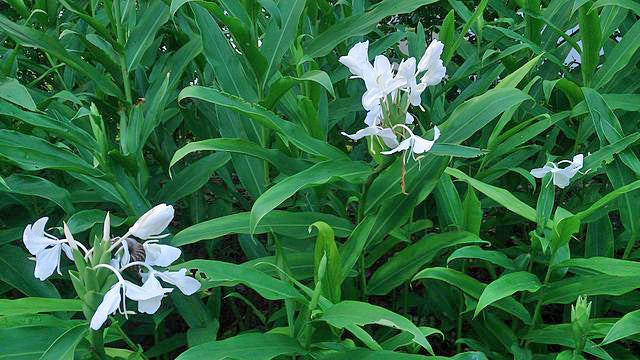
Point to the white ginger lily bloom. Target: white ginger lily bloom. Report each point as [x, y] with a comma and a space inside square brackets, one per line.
[387, 135]
[561, 176]
[153, 222]
[432, 64]
[186, 284]
[45, 247]
[160, 255]
[381, 83]
[414, 142]
[121, 290]
[407, 71]
[357, 60]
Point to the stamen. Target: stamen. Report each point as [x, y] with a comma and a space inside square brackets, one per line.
[121, 239]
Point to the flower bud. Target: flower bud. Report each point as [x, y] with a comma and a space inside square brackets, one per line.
[153, 222]
[580, 323]
[106, 228]
[67, 234]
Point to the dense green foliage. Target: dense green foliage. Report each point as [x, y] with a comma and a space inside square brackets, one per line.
[309, 245]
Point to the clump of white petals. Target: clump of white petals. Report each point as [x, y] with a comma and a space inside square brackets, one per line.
[392, 89]
[47, 249]
[561, 176]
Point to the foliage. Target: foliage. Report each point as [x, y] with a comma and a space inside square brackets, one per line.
[309, 245]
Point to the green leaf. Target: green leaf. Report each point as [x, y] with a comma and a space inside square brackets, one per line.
[36, 186]
[591, 42]
[277, 158]
[471, 212]
[322, 173]
[251, 346]
[86, 219]
[609, 266]
[14, 92]
[32, 153]
[17, 270]
[347, 313]
[225, 274]
[64, 347]
[279, 36]
[505, 286]
[627, 4]
[619, 58]
[362, 354]
[192, 178]
[290, 131]
[34, 305]
[283, 84]
[144, 33]
[474, 288]
[567, 290]
[501, 196]
[288, 223]
[27, 342]
[476, 252]
[32, 38]
[512, 80]
[360, 24]
[405, 263]
[628, 325]
[326, 247]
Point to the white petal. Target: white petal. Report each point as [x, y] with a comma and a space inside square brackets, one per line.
[368, 131]
[126, 257]
[434, 75]
[578, 160]
[431, 55]
[371, 98]
[388, 137]
[150, 306]
[407, 69]
[560, 179]
[374, 116]
[186, 284]
[421, 145]
[160, 255]
[408, 119]
[404, 145]
[153, 222]
[357, 60]
[541, 172]
[67, 250]
[47, 261]
[150, 289]
[33, 236]
[108, 305]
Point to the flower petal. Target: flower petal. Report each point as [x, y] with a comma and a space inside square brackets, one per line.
[150, 306]
[47, 261]
[404, 145]
[541, 172]
[160, 255]
[388, 137]
[368, 131]
[33, 236]
[186, 284]
[560, 179]
[108, 305]
[431, 56]
[153, 222]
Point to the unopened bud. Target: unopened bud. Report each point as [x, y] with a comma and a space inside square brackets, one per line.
[67, 234]
[153, 222]
[106, 229]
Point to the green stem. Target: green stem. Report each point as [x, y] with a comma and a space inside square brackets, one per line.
[126, 338]
[97, 344]
[536, 312]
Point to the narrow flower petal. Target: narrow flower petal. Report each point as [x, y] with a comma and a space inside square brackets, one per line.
[368, 131]
[357, 60]
[186, 284]
[33, 236]
[541, 172]
[404, 145]
[160, 255]
[108, 306]
[47, 261]
[388, 137]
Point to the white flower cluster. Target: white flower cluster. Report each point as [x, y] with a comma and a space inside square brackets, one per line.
[389, 94]
[47, 249]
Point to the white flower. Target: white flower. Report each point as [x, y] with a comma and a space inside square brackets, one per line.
[417, 144]
[357, 60]
[561, 176]
[387, 135]
[407, 71]
[160, 255]
[432, 64]
[153, 222]
[148, 296]
[186, 284]
[380, 83]
[45, 247]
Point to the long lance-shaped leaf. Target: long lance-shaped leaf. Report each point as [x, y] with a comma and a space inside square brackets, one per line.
[294, 133]
[322, 173]
[29, 37]
[251, 346]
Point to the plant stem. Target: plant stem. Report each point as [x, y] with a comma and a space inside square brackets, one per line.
[97, 343]
[536, 312]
